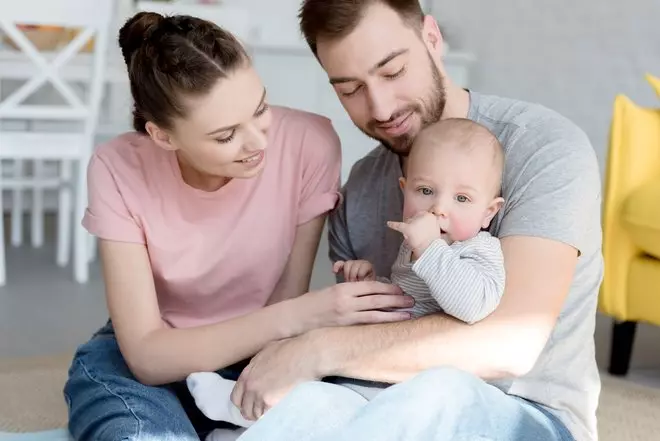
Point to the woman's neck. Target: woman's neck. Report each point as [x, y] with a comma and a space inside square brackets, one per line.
[200, 180]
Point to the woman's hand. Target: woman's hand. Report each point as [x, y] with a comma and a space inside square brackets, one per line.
[351, 303]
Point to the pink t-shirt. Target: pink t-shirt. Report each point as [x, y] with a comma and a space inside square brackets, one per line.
[215, 255]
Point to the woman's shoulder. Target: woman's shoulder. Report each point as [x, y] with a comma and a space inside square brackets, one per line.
[291, 118]
[124, 147]
[304, 132]
[292, 122]
[311, 155]
[127, 153]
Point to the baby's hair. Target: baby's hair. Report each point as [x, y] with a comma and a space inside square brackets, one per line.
[461, 133]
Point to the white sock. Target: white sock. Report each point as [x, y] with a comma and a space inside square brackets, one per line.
[224, 435]
[212, 396]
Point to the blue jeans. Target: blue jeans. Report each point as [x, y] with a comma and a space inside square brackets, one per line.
[437, 405]
[107, 403]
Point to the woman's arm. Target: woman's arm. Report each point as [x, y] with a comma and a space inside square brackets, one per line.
[159, 354]
[298, 271]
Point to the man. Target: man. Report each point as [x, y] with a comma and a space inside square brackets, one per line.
[525, 372]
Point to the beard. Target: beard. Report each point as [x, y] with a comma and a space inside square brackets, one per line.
[429, 109]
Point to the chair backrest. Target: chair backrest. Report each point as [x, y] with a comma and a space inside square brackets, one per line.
[633, 159]
[654, 82]
[92, 19]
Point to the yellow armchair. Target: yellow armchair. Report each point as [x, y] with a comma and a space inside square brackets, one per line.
[630, 292]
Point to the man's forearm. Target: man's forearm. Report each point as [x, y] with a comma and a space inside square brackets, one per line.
[394, 352]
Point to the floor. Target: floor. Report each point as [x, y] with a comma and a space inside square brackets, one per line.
[43, 311]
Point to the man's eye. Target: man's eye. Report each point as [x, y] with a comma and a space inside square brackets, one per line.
[350, 92]
[397, 74]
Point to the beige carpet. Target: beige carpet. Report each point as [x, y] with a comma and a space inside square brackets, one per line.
[31, 392]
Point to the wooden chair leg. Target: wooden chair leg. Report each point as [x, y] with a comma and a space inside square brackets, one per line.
[623, 337]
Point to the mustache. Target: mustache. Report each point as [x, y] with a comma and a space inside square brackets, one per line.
[374, 123]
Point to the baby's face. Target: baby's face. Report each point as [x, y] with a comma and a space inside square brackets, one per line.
[456, 184]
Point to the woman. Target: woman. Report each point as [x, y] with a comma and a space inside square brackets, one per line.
[209, 217]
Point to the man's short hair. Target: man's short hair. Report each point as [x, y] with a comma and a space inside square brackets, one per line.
[334, 19]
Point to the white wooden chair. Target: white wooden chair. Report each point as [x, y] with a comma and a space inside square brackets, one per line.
[72, 148]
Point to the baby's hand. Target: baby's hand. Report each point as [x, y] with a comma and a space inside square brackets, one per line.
[355, 270]
[419, 231]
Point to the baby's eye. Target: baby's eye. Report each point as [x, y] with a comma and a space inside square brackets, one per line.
[462, 198]
[425, 191]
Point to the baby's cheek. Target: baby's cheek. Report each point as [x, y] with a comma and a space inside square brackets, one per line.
[411, 207]
[464, 228]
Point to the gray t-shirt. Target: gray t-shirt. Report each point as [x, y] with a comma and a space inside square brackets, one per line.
[552, 189]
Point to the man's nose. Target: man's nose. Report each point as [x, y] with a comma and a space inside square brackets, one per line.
[380, 105]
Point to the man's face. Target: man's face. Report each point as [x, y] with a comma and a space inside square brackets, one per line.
[386, 77]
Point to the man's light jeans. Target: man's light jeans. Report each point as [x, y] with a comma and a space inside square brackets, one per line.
[436, 405]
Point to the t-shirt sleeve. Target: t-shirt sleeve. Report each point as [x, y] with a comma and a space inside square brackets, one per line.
[321, 164]
[107, 216]
[554, 185]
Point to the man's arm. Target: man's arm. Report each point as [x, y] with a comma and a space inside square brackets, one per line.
[467, 281]
[507, 343]
[551, 214]
[339, 242]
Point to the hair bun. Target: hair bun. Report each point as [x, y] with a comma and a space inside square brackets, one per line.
[136, 30]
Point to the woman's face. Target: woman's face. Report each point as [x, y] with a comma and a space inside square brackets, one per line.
[224, 132]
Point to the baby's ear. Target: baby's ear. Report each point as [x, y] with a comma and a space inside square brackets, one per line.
[402, 183]
[492, 210]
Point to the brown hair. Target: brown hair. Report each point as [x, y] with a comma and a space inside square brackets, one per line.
[171, 57]
[334, 19]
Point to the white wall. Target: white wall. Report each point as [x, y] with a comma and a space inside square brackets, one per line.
[572, 56]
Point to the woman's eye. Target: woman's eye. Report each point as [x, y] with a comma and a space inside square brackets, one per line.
[262, 110]
[462, 198]
[226, 139]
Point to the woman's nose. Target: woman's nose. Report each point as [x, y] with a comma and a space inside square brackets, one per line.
[256, 138]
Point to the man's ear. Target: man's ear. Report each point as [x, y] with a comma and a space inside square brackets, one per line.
[492, 210]
[432, 35]
[159, 136]
[402, 183]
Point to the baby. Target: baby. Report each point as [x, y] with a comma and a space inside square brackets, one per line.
[446, 262]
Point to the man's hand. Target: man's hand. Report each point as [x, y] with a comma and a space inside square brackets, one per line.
[419, 231]
[271, 374]
[355, 270]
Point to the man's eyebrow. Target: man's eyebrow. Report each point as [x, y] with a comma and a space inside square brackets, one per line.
[224, 129]
[381, 63]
